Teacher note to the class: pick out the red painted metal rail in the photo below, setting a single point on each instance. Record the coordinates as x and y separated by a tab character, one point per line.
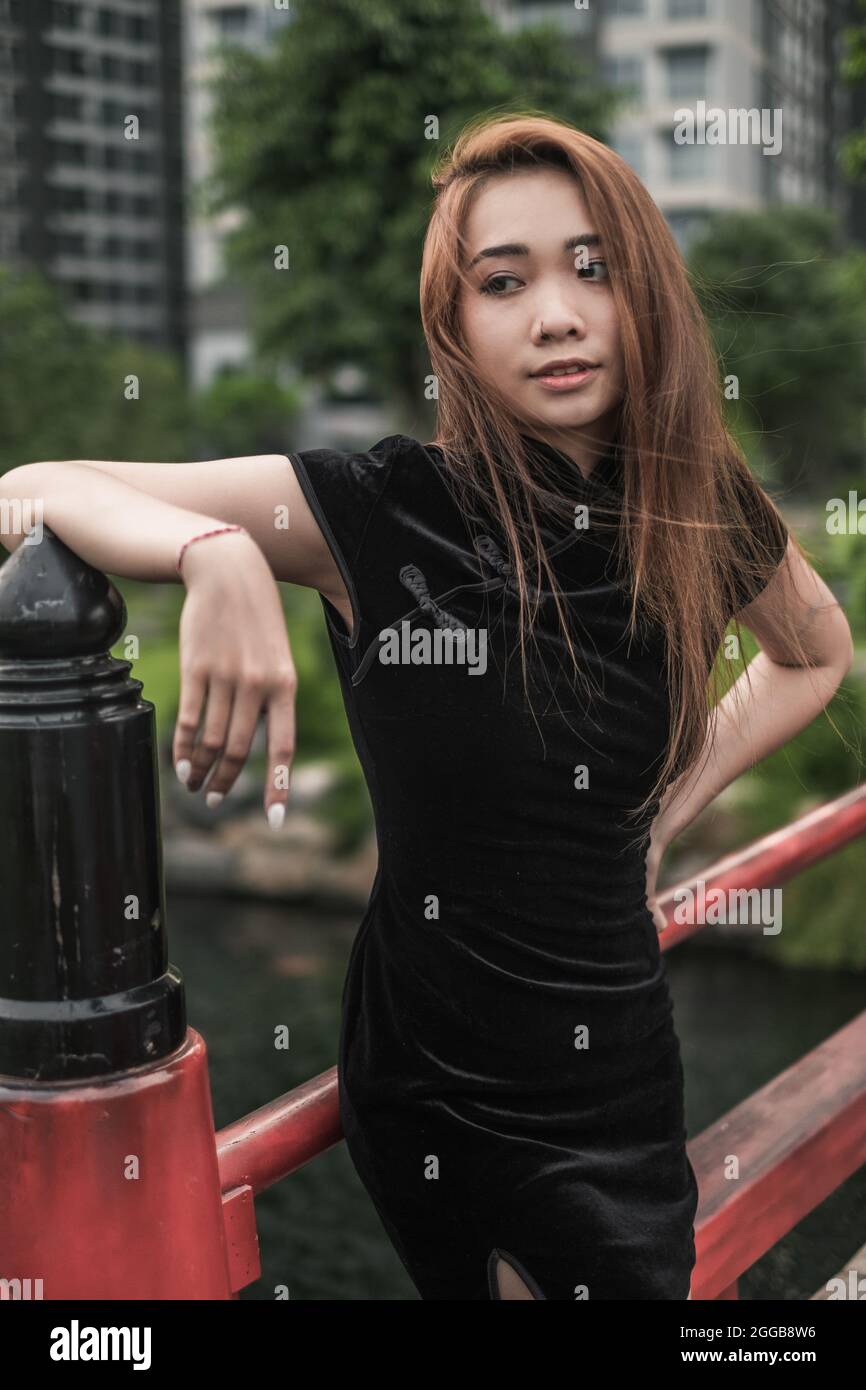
795	1140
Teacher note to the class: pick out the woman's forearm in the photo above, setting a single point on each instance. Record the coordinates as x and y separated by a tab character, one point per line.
114	527
782	701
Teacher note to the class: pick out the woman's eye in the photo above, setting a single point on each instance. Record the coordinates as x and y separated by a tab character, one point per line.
597	262
486	288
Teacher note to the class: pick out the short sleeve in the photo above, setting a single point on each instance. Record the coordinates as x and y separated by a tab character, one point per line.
752	575
343	491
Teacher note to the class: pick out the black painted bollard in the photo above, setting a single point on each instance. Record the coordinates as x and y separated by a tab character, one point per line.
85	985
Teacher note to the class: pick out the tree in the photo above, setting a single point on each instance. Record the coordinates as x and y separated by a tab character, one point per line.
244	413
65	390
323	144
786	305
852	69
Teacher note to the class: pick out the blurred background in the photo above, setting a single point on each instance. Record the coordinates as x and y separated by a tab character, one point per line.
227	203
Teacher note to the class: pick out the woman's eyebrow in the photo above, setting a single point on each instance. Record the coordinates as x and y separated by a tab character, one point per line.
518	248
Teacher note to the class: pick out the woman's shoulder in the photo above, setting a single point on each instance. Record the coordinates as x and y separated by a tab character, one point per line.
400	454
398	483
418	471
412	452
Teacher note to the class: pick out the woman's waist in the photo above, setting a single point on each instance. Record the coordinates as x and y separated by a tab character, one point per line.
528	891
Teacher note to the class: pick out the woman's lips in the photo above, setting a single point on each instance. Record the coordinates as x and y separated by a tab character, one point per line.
566	382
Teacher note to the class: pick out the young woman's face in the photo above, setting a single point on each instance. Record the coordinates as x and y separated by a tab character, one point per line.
533	297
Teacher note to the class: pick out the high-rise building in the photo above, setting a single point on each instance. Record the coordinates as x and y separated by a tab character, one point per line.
91	159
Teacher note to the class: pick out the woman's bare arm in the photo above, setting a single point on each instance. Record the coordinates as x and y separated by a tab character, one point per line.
107	523
234	653
776	698
131	518
768	705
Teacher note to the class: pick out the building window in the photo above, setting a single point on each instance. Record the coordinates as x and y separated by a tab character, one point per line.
139	28
109	24
631	148
68	60
64	16
67	152
687	9
687	72
623	8
69	244
66	107
687	162
116	112
687	225
66	198
232	20
142	74
624	72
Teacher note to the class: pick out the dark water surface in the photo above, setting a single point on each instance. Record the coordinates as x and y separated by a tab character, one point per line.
250	968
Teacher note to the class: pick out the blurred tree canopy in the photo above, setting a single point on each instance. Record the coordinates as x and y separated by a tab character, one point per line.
786	304
852	69
63	390
322	143
241	412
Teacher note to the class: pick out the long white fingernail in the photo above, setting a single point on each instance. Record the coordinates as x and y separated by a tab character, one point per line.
183	769
214	798
276	815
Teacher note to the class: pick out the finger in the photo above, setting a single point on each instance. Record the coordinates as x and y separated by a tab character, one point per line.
193	684
213	734
238	741
281	753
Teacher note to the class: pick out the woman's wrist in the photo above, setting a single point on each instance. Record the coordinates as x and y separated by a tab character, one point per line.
203	553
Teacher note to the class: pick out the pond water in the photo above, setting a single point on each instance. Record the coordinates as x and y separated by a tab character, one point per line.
250	968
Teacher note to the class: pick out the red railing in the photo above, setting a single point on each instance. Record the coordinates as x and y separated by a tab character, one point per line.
794	1141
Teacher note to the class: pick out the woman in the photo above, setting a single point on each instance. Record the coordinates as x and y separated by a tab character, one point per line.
511	1088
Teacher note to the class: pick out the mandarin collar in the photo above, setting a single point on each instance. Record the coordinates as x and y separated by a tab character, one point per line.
607	472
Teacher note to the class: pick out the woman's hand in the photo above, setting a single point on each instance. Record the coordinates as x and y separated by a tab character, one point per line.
234	652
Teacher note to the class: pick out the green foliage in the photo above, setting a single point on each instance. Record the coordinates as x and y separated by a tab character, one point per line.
852	69
241	413
822	906
62	389
786	306
324	141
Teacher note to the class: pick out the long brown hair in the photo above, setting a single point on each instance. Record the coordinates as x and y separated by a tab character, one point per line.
687	491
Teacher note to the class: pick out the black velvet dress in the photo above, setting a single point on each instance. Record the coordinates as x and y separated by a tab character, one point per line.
510	1075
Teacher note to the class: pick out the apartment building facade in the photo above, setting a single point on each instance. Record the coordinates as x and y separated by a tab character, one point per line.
92	184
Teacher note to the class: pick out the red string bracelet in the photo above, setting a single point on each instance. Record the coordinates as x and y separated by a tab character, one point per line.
218	531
